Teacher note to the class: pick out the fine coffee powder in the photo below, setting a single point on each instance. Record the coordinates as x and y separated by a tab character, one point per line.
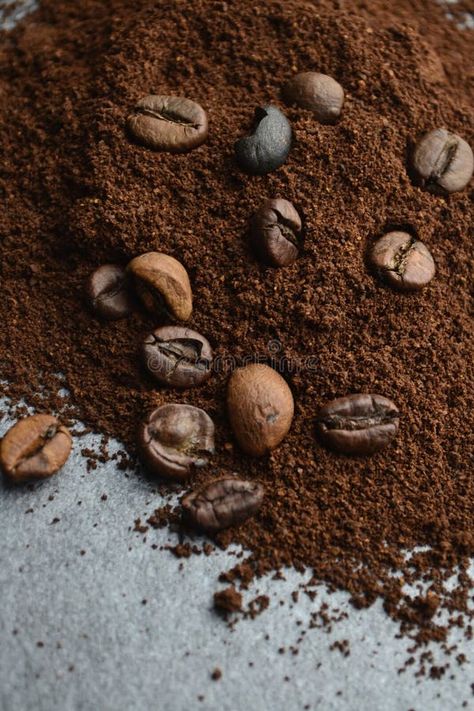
78	193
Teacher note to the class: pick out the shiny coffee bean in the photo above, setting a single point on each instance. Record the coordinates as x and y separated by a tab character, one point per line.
168	123
403	261
177	357
35	448
443	161
108	292
176	439
276	232
163	285
222	503
319	93
358	424
268	145
260	407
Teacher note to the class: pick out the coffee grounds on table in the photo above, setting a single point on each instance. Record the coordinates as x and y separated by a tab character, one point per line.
77	193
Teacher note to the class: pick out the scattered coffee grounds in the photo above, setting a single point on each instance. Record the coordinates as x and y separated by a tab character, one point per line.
78	193
228	600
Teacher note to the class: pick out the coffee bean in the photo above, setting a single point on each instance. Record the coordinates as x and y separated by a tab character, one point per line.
443	160
222	503
162	284
168	123
275	231
35	448
358	424
178	357
403	261
260	407
319	93
268	145
176	439
108	293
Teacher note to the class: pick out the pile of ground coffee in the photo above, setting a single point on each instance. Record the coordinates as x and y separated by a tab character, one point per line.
77	193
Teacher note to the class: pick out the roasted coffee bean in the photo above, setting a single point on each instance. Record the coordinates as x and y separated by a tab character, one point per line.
177	357
108	292
403	261
443	160
168	123
222	503
275	231
268	145
319	93
358	424
35	448
176	439
260	407
163	285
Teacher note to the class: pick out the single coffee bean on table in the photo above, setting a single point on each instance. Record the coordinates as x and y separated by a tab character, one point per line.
177	357
176	439
319	93
276	232
358	424
403	261
168	123
260	407
268	145
162	283
222	503
36	447
443	160
108	292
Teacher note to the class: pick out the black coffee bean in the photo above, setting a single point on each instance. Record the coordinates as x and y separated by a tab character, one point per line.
178	357
108	292
403	261
174	440
443	161
319	93
358	424
276	231
268	145
222	503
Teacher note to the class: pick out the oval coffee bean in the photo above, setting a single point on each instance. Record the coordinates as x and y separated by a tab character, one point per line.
176	439
275	230
108	293
35	448
319	93
403	261
358	424
443	160
260	407
162	284
268	145
177	357
168	123
222	503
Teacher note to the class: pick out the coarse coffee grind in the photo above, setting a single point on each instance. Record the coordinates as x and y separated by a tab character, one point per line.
78	193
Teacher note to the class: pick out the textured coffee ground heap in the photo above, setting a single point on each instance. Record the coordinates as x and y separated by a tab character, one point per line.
77	193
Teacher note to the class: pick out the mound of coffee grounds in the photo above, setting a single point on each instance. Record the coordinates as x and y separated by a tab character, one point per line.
78	193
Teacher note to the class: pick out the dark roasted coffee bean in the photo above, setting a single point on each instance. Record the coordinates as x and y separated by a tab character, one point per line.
319	93
168	123
358	424
176	439
443	160
275	231
177	356
108	292
222	503
163	285
268	145
403	261
35	448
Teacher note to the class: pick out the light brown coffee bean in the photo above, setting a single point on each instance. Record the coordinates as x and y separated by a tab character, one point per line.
177	357
162	283
443	160
319	93
108	292
222	503
403	261
276	231
260	407
35	448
